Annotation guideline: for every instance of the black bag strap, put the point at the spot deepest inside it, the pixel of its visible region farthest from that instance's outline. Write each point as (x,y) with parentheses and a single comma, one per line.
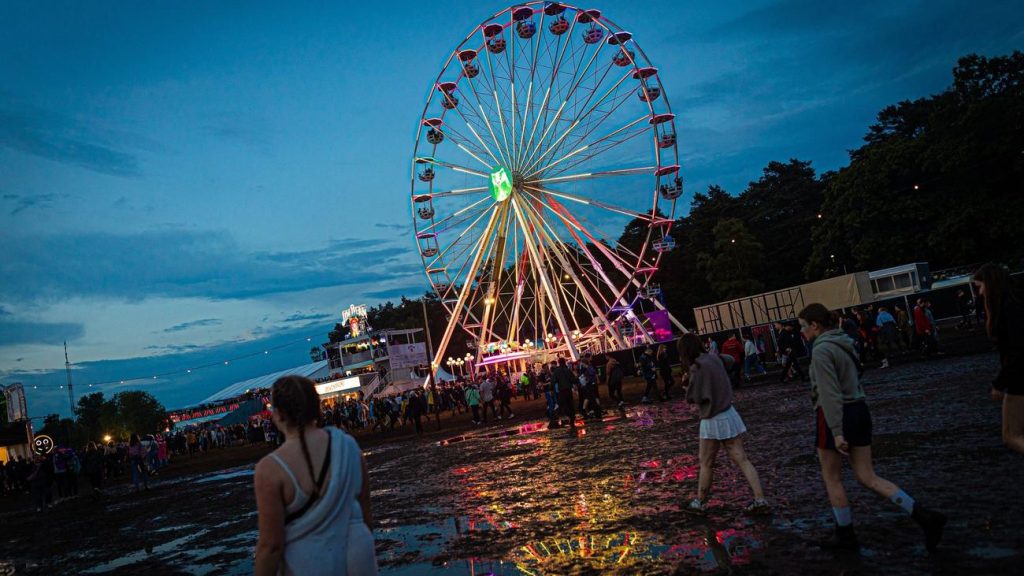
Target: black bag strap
(856,361)
(319,486)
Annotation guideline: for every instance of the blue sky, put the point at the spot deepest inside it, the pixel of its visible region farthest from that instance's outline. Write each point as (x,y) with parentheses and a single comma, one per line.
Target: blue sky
(187,182)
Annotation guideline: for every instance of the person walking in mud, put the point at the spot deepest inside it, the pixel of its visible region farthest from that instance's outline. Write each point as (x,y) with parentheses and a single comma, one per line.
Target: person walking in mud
(1004,323)
(504,393)
(588,388)
(791,348)
(312,493)
(665,369)
(710,388)
(564,381)
(137,463)
(473,400)
(844,429)
(487,397)
(649,373)
(613,370)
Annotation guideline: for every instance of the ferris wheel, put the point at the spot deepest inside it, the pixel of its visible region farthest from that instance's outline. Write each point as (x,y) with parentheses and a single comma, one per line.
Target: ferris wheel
(545,135)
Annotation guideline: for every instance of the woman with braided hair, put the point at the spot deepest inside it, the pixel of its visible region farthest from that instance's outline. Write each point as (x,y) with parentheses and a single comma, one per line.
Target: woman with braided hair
(312,493)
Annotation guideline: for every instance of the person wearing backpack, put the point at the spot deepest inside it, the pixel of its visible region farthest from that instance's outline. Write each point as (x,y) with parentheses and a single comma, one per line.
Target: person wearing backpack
(844,429)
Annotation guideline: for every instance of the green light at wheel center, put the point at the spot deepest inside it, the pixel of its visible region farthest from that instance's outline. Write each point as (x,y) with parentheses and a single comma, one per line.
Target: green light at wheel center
(501,184)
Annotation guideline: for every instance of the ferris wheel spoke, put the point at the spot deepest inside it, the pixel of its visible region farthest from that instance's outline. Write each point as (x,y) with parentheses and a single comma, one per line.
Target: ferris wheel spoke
(591,202)
(604,143)
(451,166)
(596,175)
(545,280)
(574,229)
(551,238)
(624,267)
(577,80)
(456,214)
(505,152)
(593,144)
(559,211)
(441,254)
(483,113)
(585,118)
(463,294)
(534,48)
(565,101)
(572,126)
(463,142)
(562,48)
(600,150)
(469,125)
(459,192)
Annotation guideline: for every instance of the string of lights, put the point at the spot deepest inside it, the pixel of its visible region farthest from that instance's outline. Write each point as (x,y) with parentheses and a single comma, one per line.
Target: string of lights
(176,372)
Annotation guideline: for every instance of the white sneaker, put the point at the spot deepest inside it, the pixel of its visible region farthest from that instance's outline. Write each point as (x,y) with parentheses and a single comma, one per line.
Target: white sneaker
(511,416)
(696,505)
(885,363)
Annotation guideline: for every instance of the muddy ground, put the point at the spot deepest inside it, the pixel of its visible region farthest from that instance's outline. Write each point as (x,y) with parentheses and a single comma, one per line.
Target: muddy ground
(514,498)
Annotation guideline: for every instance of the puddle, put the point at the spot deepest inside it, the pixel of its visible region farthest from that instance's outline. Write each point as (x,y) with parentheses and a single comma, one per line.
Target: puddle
(992,552)
(227,476)
(135,557)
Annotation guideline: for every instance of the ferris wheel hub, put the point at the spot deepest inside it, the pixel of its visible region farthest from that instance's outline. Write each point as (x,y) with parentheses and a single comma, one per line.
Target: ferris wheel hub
(502,183)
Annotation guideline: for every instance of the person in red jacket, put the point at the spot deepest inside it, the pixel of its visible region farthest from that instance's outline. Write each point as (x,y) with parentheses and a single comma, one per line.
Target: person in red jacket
(923,329)
(733,347)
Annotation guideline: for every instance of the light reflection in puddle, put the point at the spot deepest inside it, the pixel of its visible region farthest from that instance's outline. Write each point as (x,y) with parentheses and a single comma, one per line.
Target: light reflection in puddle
(245,473)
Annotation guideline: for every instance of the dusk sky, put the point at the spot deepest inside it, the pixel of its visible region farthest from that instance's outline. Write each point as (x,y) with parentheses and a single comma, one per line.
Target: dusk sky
(183,183)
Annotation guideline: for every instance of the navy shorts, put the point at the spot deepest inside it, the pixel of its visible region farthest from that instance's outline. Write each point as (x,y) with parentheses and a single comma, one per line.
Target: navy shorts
(856,427)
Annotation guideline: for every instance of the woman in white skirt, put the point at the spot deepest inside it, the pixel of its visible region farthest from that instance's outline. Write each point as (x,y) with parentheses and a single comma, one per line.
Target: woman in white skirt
(710,388)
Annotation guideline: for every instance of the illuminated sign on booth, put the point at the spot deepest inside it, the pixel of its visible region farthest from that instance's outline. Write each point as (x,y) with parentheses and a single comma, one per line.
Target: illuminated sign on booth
(338,385)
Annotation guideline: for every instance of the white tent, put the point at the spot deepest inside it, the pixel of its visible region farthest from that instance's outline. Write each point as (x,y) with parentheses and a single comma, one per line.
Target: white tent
(312,371)
(439,376)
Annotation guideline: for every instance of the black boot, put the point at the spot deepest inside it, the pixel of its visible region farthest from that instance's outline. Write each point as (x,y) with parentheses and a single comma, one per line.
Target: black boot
(845,540)
(931,522)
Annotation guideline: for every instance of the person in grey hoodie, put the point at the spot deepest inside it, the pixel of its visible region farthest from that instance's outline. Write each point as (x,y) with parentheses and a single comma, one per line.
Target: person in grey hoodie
(487,398)
(709,386)
(844,429)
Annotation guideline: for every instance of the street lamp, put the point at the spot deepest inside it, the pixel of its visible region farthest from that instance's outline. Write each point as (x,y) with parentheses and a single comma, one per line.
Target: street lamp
(106,438)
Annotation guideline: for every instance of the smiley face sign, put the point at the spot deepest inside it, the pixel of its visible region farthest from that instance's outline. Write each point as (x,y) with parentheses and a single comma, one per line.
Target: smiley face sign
(42,445)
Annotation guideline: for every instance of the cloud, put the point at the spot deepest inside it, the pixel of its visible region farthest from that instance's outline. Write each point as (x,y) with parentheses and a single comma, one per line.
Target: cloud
(393,293)
(306,317)
(193,324)
(15,332)
(174,348)
(404,228)
(180,263)
(62,139)
(25,202)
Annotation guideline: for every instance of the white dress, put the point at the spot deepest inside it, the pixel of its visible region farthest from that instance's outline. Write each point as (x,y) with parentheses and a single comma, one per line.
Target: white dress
(331,537)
